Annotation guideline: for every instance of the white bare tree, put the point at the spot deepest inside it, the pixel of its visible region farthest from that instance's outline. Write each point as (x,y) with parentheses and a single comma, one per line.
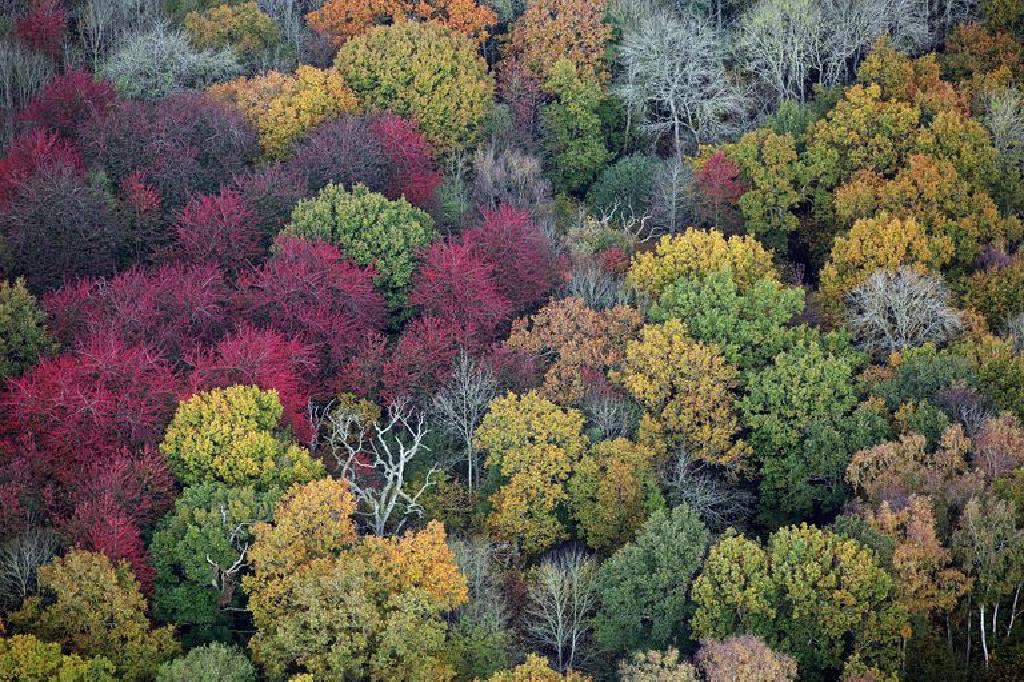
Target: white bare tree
(672,199)
(1004,118)
(104,25)
(461,403)
(20,556)
(562,599)
(718,503)
(375,458)
(895,310)
(674,79)
(781,42)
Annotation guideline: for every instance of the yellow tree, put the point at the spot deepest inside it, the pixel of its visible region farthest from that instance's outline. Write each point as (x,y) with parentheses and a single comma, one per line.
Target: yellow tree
(534,445)
(696,253)
(93,608)
(575,339)
(956,218)
(330,604)
(882,242)
(283,107)
(613,490)
(536,669)
(425,73)
(686,388)
(233,435)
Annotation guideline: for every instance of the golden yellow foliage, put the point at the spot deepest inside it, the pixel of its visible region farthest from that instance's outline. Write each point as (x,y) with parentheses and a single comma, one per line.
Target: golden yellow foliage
(551,30)
(535,445)
(686,388)
(283,107)
(696,253)
(872,244)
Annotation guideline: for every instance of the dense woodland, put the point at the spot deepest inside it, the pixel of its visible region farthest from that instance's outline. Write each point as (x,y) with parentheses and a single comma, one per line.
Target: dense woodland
(505,340)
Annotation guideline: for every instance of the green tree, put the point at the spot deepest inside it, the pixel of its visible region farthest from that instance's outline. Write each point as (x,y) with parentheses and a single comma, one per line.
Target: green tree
(625,188)
(93,608)
(24,658)
(215,661)
(571,127)
(532,447)
(23,333)
(748,325)
(812,594)
(422,72)
(232,435)
(371,230)
(200,551)
(643,588)
(804,423)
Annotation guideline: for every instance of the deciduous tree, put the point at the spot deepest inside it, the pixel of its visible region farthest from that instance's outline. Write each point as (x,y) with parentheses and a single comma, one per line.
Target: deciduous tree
(424,73)
(232,435)
(23,331)
(533,445)
(97,610)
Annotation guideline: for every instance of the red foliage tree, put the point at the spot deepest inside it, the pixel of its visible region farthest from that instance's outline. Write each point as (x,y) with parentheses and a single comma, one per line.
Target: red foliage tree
(84,407)
(184,144)
(173,308)
(217,229)
(102,525)
(526,267)
(455,284)
(719,184)
(67,101)
(310,291)
(42,28)
(423,357)
(264,358)
(28,154)
(270,193)
(55,224)
(343,151)
(413,173)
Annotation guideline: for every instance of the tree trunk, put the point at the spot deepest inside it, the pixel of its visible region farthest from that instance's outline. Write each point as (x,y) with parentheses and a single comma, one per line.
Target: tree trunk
(984,641)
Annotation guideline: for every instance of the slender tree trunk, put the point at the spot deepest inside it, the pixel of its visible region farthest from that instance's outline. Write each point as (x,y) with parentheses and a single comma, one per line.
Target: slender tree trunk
(981,624)
(1013,610)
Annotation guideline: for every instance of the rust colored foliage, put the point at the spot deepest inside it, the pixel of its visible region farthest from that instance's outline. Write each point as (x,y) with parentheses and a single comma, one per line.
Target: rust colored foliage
(580,345)
(339,20)
(550,30)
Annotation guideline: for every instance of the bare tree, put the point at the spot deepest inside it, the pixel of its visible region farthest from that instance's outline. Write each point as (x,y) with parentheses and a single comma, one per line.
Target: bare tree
(22,72)
(562,599)
(512,178)
(104,25)
(20,556)
(674,77)
(1004,118)
(375,458)
(595,286)
(895,310)
(781,43)
(460,404)
(1015,330)
(672,201)
(717,503)
(612,416)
